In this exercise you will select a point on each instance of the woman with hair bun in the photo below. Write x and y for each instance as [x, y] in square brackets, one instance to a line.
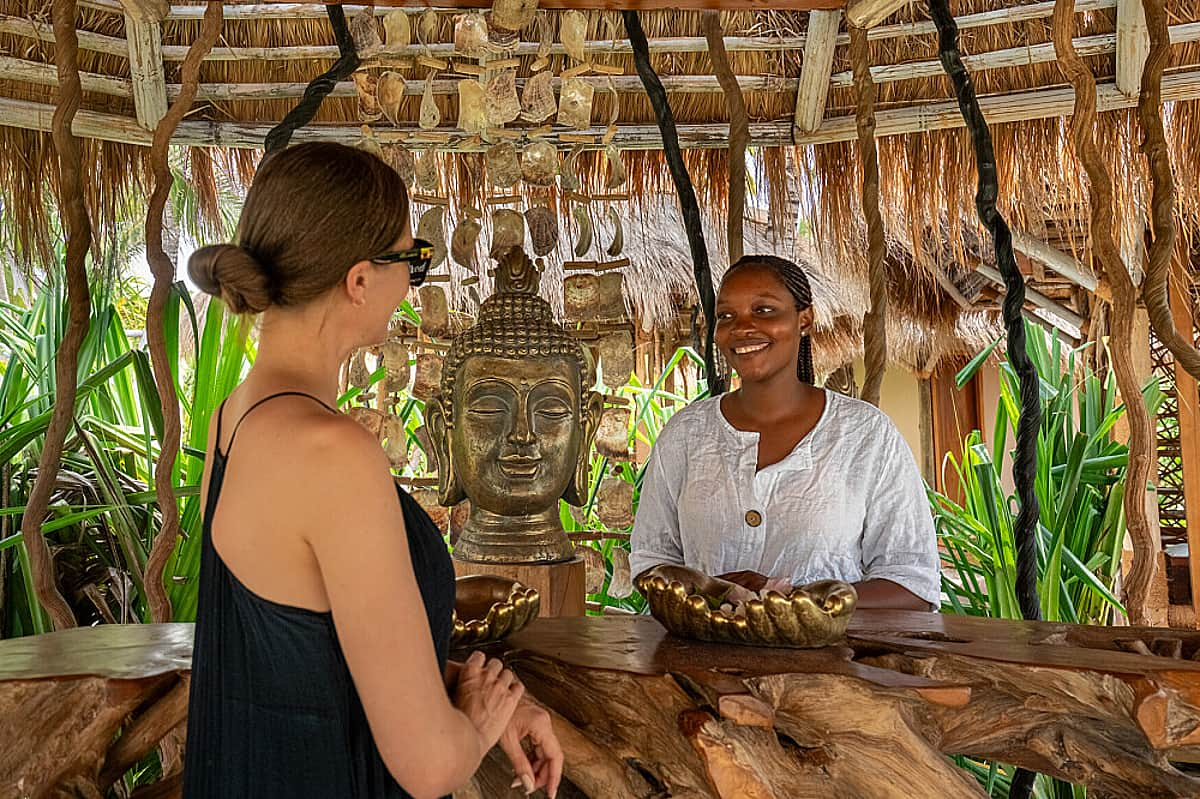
[782, 483]
[323, 626]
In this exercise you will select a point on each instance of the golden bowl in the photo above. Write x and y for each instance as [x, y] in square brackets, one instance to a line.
[487, 608]
[813, 615]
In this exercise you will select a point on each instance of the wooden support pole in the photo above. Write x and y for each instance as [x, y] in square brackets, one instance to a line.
[1188, 400]
[816, 68]
[1133, 46]
[143, 33]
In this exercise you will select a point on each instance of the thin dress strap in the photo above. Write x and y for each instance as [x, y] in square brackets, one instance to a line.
[236, 427]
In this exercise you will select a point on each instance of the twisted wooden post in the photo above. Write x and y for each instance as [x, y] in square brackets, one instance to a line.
[1162, 202]
[78, 228]
[875, 321]
[739, 132]
[163, 270]
[1083, 124]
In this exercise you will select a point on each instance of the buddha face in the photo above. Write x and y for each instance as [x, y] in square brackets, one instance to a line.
[517, 434]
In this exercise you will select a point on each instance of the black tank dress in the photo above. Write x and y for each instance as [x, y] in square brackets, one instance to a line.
[273, 711]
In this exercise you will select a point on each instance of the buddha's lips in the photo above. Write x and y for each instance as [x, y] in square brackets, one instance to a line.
[519, 468]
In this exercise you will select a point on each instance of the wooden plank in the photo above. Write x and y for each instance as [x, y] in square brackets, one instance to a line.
[1133, 46]
[869, 13]
[146, 67]
[1057, 260]
[1037, 299]
[998, 109]
[40, 74]
[816, 68]
[95, 42]
[1188, 400]
[640, 5]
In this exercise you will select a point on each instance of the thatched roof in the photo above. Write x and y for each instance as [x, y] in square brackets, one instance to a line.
[928, 179]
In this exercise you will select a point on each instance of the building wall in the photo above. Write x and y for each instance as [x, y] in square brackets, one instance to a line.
[900, 399]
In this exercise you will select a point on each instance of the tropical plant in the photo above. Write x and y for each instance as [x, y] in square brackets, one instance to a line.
[1080, 485]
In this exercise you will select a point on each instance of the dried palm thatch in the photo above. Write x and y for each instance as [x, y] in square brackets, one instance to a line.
[927, 179]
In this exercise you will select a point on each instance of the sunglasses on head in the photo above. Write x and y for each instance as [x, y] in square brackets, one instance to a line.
[418, 258]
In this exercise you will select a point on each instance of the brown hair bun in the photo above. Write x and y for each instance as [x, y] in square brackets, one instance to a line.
[232, 274]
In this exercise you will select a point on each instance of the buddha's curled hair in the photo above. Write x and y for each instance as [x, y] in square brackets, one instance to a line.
[514, 326]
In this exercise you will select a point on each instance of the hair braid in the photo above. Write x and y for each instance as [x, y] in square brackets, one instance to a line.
[796, 282]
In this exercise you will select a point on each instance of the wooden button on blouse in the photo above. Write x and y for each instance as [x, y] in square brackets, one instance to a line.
[753, 518]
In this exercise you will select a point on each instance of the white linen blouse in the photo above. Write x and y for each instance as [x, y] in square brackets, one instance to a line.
[847, 503]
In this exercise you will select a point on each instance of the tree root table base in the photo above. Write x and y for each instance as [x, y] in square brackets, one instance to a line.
[644, 714]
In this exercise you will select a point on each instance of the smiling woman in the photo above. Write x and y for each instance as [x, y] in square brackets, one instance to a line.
[780, 480]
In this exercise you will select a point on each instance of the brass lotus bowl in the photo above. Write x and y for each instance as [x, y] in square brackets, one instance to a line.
[812, 616]
[488, 608]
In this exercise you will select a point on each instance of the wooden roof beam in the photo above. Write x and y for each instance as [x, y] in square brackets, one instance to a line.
[869, 13]
[1133, 46]
[816, 68]
[1037, 299]
[143, 34]
[1057, 260]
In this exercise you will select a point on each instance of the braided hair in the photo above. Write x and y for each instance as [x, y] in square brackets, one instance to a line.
[793, 278]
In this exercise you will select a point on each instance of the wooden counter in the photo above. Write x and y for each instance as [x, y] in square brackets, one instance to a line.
[644, 714]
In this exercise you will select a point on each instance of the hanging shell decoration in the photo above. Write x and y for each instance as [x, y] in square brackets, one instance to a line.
[614, 503]
[400, 159]
[367, 87]
[572, 32]
[612, 434]
[397, 441]
[543, 229]
[501, 40]
[369, 418]
[435, 312]
[616, 168]
[488, 608]
[581, 296]
[428, 378]
[360, 373]
[508, 230]
[584, 242]
[397, 29]
[616, 359]
[618, 240]
[621, 584]
[427, 27]
[537, 98]
[575, 104]
[426, 170]
[458, 519]
[612, 296]
[425, 443]
[503, 164]
[396, 362]
[513, 15]
[470, 34]
[472, 111]
[364, 31]
[568, 179]
[539, 163]
[593, 569]
[430, 116]
[369, 143]
[390, 92]
[431, 227]
[464, 240]
[500, 98]
[427, 498]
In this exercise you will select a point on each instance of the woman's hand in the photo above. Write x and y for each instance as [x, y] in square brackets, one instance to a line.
[532, 722]
[488, 695]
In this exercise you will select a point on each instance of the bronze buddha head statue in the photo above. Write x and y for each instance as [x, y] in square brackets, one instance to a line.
[513, 425]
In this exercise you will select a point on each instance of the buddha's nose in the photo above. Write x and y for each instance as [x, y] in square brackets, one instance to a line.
[522, 429]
